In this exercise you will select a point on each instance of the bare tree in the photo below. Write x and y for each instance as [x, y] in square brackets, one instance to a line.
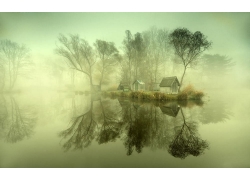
[139, 62]
[13, 58]
[127, 62]
[156, 42]
[107, 54]
[188, 46]
[78, 53]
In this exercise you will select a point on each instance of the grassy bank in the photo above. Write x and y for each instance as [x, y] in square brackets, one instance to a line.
[188, 93]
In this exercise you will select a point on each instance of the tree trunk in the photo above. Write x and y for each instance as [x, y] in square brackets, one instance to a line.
[185, 68]
[91, 82]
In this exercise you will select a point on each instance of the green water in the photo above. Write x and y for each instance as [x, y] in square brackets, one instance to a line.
[50, 129]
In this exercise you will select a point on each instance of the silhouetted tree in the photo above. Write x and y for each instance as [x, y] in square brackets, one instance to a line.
[188, 47]
[13, 59]
[108, 55]
[156, 43]
[78, 53]
[127, 61]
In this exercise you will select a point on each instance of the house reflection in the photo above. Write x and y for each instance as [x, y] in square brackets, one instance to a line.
[170, 109]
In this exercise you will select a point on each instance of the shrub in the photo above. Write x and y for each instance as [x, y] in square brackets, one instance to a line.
[182, 96]
[190, 93]
[199, 94]
[189, 89]
[113, 94]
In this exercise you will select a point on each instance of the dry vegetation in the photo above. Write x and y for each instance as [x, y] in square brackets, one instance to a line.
[188, 93]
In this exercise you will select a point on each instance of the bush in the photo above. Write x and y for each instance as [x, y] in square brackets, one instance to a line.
[182, 96]
[190, 93]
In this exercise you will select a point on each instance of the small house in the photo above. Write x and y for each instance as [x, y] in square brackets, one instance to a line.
[138, 85]
[124, 86]
[169, 85]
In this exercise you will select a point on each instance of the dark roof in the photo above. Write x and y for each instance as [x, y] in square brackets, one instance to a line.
[123, 85]
[168, 81]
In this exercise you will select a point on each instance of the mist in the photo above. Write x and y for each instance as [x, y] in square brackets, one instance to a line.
[39, 32]
[60, 74]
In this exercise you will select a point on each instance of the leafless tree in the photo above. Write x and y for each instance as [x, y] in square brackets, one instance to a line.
[13, 59]
[78, 54]
[156, 41]
[188, 46]
[107, 54]
[127, 62]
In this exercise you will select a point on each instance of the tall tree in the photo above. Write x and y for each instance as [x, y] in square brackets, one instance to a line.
[78, 53]
[188, 47]
[107, 54]
[139, 47]
[156, 43]
[13, 58]
[127, 62]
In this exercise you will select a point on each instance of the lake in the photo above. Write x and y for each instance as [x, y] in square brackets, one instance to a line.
[55, 129]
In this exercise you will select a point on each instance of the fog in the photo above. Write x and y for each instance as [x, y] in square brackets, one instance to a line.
[53, 66]
[46, 69]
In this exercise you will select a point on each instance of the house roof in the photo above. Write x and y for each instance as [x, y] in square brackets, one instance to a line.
[138, 81]
[123, 83]
[168, 81]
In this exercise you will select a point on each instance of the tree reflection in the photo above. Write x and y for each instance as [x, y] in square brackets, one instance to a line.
[16, 123]
[186, 141]
[3, 115]
[111, 126]
[81, 132]
[214, 111]
[137, 124]
[138, 132]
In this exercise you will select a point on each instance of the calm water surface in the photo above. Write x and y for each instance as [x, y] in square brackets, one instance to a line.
[50, 129]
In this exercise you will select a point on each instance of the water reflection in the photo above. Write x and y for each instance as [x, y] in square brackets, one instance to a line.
[214, 112]
[82, 130]
[137, 124]
[186, 141]
[16, 122]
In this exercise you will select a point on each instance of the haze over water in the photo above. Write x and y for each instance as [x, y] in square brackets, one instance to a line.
[45, 123]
